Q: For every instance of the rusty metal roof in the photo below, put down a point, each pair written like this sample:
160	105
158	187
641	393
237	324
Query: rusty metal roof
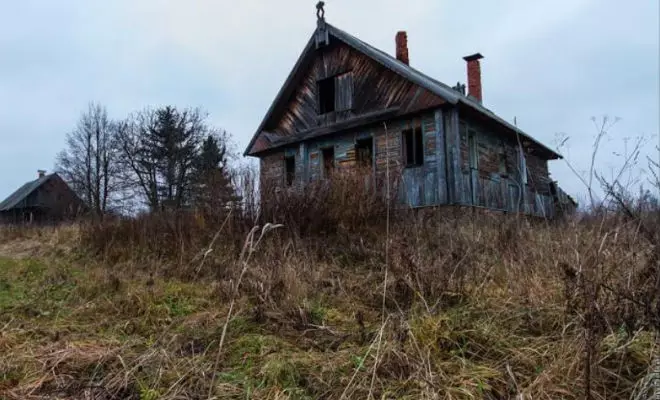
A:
446	92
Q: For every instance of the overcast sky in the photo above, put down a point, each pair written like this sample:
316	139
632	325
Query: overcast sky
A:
553	64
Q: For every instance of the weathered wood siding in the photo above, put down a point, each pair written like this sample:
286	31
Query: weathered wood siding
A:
423	185
464	163
374	88
491	172
272	170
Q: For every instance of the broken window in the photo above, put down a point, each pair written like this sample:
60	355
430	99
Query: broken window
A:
328	158
290	167
335	93
364	152
413	147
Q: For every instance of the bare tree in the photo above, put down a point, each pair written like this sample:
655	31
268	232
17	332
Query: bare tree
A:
89	161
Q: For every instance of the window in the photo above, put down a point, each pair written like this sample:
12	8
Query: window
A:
413	147
335	93
326	95
290	166
363	152
502	164
328	155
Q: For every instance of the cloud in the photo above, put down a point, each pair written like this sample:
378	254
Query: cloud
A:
551	64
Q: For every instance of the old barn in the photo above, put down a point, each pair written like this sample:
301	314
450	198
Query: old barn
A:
47	199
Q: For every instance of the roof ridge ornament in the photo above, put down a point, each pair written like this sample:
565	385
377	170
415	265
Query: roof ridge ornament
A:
320	11
322	37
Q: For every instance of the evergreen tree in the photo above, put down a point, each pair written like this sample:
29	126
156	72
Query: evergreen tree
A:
160	151
213	189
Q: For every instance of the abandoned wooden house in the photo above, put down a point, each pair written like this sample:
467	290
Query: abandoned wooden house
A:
45	200
346	101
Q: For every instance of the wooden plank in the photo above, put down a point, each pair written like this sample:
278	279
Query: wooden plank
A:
412	188
473	166
344	92
303	162
441	157
431	187
454	141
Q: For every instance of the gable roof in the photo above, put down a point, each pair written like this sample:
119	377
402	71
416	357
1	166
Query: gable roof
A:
23	192
446	92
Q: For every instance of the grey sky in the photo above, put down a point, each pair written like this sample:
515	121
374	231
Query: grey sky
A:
553	64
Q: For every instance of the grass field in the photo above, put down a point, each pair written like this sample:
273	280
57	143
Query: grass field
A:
470	311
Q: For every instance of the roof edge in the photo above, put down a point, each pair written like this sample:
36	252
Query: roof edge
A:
11	203
406	71
280	93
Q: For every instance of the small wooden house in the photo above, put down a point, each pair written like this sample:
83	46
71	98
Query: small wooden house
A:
47	199
346	102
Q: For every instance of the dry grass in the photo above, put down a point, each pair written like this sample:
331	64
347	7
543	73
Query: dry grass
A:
475	308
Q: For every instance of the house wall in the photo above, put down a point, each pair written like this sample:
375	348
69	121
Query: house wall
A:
495	180
416	186
446	176
57	198
271	169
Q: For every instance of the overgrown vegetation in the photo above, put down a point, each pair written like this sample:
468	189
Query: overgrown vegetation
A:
327	293
475	306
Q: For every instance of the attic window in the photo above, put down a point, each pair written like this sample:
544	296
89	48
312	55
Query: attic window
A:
326	95
290	166
413	147
335	93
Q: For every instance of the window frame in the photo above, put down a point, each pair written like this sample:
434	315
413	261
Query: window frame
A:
289	175
339	84
417	141
324	169
360	144
323	84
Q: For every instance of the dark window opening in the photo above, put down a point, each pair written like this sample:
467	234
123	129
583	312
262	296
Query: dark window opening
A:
503	164
335	93
326	89
364	152
290	165
328	155
413	147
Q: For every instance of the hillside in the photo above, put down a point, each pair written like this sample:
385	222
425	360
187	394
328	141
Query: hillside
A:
472	309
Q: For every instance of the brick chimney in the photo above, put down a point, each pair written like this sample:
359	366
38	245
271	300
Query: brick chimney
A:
402	47
41	173
474	76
